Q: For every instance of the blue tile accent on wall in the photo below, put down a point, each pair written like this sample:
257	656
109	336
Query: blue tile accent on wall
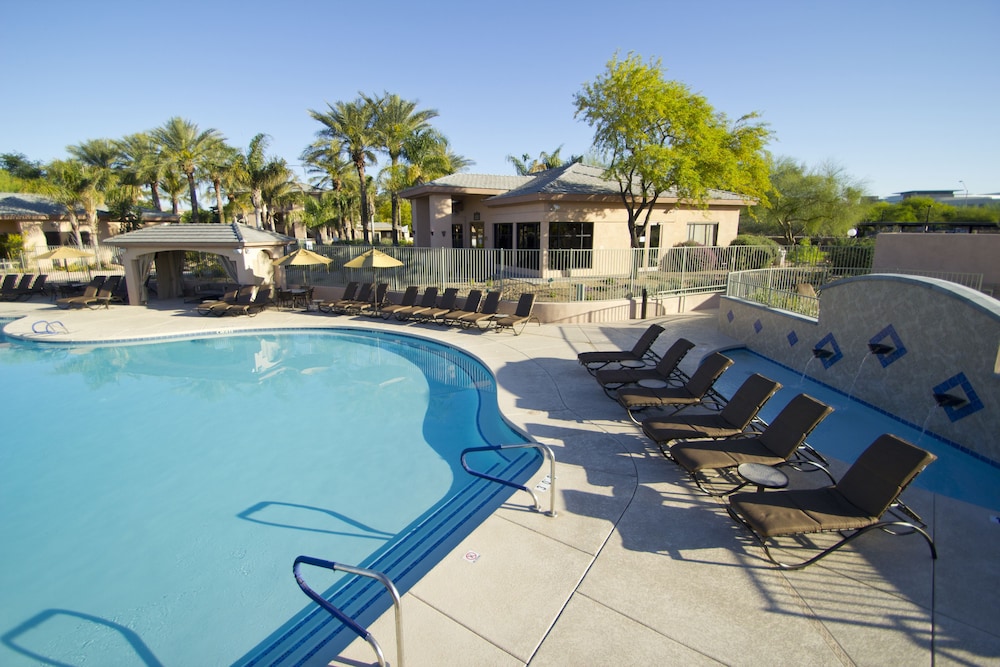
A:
730	316
793	338
972	402
888	336
758	325
829	344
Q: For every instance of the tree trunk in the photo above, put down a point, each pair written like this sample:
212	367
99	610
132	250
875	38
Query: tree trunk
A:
364	201
218	202
194	196
395	219
154	194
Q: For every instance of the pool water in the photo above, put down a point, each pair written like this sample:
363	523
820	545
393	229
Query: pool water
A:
153	497
852	426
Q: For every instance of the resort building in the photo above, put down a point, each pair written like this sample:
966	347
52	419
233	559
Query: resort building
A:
571	208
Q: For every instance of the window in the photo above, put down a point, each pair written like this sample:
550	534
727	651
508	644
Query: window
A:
653	256
704	233
528	243
503	235
571	245
457	236
477	239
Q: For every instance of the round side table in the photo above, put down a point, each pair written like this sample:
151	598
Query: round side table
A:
765	477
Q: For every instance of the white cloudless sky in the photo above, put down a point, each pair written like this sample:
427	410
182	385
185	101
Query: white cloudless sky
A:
902	94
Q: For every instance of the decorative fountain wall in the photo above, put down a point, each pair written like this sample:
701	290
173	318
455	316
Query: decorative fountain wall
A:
922	349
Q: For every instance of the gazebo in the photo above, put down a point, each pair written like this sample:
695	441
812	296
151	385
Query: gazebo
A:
244	253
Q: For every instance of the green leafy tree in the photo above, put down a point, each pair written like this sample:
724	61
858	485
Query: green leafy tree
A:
656	136
74	186
810	202
19	166
396	120
189	149
351	126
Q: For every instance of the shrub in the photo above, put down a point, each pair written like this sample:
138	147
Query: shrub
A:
806	253
761	252
689	256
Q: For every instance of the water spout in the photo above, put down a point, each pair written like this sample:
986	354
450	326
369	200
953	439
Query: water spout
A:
880	348
820	353
949	400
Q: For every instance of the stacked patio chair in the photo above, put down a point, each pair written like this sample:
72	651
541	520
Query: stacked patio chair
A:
17	287
89	292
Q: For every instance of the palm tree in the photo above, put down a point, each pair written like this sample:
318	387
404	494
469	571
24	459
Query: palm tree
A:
397	119
222	168
174	184
526	165
74	186
258	172
428	156
99	158
189	149
351	125
142	163
324	159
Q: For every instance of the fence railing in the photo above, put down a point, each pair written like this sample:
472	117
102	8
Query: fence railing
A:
766	273
794	288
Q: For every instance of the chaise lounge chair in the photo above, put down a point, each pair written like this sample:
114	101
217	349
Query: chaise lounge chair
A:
472	301
666	370
350	292
409	298
37	287
445	305
218	307
870	488
490	305
103	296
259	301
89	292
521	316
641	352
696	391
16	289
732	420
427	301
782	442
359	300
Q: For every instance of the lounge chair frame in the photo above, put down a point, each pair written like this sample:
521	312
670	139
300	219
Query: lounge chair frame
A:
869	490
642	352
521	316
781	443
697	390
666	370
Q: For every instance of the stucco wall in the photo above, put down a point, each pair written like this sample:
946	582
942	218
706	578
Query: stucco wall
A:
945	339
960	253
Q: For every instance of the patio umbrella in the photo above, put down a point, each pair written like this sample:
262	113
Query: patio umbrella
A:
373	259
302	257
66	253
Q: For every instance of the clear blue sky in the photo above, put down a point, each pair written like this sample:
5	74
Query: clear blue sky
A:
903	94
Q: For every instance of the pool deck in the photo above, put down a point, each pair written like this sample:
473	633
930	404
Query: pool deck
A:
639	567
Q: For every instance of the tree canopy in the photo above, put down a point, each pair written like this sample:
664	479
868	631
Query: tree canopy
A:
655	136
806	202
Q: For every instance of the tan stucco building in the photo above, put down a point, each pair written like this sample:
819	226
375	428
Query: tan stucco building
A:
568	208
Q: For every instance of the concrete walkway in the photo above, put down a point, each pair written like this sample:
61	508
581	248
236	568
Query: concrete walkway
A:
639	567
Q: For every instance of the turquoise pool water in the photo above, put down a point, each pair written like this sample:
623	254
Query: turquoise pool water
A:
153	497
852	426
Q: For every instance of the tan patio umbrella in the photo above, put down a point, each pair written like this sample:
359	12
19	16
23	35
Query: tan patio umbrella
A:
302	257
373	259
66	253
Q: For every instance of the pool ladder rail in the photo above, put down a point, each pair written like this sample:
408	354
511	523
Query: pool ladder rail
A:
546	452
344	618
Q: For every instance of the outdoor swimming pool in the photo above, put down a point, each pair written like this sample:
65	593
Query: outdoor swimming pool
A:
852	426
154	496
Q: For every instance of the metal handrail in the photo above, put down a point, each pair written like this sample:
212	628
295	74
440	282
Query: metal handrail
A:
344	618
544	449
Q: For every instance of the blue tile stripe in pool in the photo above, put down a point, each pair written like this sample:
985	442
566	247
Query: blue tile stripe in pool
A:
404	564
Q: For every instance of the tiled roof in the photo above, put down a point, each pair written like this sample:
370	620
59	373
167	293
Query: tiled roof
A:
207	234
25	206
570	179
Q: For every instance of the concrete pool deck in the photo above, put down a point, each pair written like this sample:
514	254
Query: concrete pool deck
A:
639	567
